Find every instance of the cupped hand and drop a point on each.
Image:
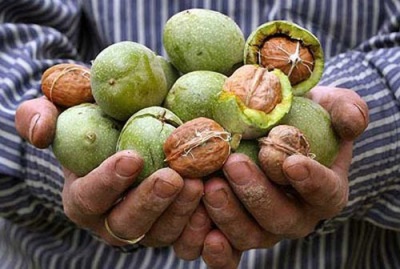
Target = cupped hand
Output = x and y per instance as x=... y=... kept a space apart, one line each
x=159 y=207
x=252 y=212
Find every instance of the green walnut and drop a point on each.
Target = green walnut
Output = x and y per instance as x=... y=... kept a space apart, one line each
x=193 y=95
x=170 y=72
x=249 y=148
x=252 y=101
x=287 y=46
x=315 y=124
x=202 y=39
x=305 y=130
x=126 y=77
x=145 y=132
x=85 y=136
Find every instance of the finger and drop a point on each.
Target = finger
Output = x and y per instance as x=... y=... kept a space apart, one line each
x=232 y=219
x=218 y=253
x=322 y=189
x=269 y=205
x=190 y=243
x=95 y=193
x=349 y=112
x=35 y=121
x=142 y=206
x=170 y=225
x=349 y=118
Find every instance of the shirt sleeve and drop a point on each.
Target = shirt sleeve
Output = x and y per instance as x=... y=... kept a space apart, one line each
x=372 y=70
x=34 y=35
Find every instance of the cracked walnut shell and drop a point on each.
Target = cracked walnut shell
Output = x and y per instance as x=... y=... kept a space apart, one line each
x=197 y=148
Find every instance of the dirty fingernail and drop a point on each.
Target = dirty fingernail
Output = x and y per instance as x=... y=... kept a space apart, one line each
x=126 y=167
x=297 y=172
x=238 y=172
x=217 y=198
x=198 y=220
x=165 y=189
x=215 y=248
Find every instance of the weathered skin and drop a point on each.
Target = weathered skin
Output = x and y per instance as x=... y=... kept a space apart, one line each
x=199 y=39
x=84 y=138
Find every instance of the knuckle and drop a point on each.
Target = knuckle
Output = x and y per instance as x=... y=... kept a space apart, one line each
x=166 y=240
x=69 y=212
x=84 y=205
x=112 y=186
x=284 y=225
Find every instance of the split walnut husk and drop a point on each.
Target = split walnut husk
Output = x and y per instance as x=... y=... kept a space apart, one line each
x=289 y=47
x=252 y=101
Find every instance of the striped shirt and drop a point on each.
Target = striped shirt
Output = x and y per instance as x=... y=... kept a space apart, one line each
x=361 y=41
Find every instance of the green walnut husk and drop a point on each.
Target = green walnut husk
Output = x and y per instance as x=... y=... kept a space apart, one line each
x=249 y=148
x=170 y=72
x=315 y=124
x=145 y=132
x=239 y=119
x=85 y=136
x=193 y=95
x=202 y=39
x=295 y=32
x=126 y=77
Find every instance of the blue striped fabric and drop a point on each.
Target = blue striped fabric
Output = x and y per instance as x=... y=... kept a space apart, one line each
x=361 y=40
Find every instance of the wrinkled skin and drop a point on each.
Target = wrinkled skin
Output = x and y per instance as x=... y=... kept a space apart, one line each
x=321 y=192
x=163 y=202
x=243 y=218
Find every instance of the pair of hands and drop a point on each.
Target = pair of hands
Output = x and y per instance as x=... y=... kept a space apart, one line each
x=218 y=218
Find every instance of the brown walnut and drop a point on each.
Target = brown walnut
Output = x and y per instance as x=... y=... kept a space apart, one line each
x=67 y=85
x=281 y=142
x=256 y=87
x=197 y=148
x=289 y=55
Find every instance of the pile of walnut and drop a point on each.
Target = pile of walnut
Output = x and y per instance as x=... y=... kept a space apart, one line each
x=253 y=98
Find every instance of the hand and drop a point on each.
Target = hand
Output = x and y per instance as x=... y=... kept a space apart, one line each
x=159 y=207
x=251 y=212
x=35 y=121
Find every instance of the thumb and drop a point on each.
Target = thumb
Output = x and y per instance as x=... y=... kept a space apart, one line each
x=35 y=121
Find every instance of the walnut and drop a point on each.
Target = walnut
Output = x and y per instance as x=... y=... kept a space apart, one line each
x=67 y=85
x=281 y=142
x=288 y=55
x=197 y=148
x=256 y=87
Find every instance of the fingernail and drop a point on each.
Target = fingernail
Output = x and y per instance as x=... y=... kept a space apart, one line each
x=215 y=248
x=164 y=189
x=198 y=220
x=125 y=166
x=217 y=198
x=32 y=126
x=238 y=172
x=297 y=172
x=186 y=197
